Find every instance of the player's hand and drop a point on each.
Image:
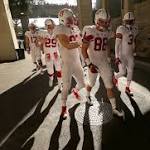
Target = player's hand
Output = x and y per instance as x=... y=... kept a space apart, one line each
x=93 y=68
x=117 y=61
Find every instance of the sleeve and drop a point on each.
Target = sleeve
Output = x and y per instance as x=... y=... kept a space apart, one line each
x=119 y=32
x=87 y=34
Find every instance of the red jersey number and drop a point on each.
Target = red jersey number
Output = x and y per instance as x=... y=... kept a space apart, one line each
x=100 y=44
x=50 y=42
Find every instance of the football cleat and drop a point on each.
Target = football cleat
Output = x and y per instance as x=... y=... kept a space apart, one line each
x=34 y=70
x=118 y=113
x=41 y=71
x=89 y=100
x=128 y=91
x=64 y=112
x=37 y=68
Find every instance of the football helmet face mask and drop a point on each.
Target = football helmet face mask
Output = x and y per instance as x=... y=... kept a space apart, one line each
x=102 y=19
x=66 y=17
x=129 y=19
x=49 y=24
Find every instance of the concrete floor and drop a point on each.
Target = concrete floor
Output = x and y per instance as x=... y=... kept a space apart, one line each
x=30 y=114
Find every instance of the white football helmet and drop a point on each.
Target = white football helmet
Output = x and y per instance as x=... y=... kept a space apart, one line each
x=49 y=24
x=32 y=26
x=129 y=18
x=102 y=18
x=66 y=16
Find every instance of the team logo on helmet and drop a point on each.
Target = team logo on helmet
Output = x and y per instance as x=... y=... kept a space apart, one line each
x=66 y=16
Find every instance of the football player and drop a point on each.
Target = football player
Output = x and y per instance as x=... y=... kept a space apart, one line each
x=124 y=49
x=50 y=48
x=94 y=50
x=32 y=47
x=68 y=46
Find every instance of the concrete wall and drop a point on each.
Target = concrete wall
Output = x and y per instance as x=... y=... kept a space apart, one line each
x=8 y=41
x=85 y=12
x=127 y=5
x=104 y=4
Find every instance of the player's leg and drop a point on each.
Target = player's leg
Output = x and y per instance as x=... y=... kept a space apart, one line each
x=33 y=57
x=130 y=68
x=92 y=79
x=50 y=68
x=106 y=75
x=39 y=60
x=58 y=70
x=79 y=77
x=66 y=78
x=122 y=72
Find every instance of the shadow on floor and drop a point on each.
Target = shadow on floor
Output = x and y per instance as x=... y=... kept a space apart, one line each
x=88 y=142
x=74 y=133
x=16 y=102
x=25 y=130
x=133 y=133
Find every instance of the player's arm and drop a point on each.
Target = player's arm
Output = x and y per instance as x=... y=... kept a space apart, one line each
x=64 y=40
x=117 y=47
x=87 y=37
x=118 y=44
x=135 y=43
x=84 y=48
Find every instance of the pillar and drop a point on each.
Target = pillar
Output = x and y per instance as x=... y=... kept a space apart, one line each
x=8 y=40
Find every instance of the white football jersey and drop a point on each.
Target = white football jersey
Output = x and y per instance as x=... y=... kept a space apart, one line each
x=128 y=39
x=68 y=56
x=98 y=42
x=32 y=38
x=50 y=44
x=78 y=34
